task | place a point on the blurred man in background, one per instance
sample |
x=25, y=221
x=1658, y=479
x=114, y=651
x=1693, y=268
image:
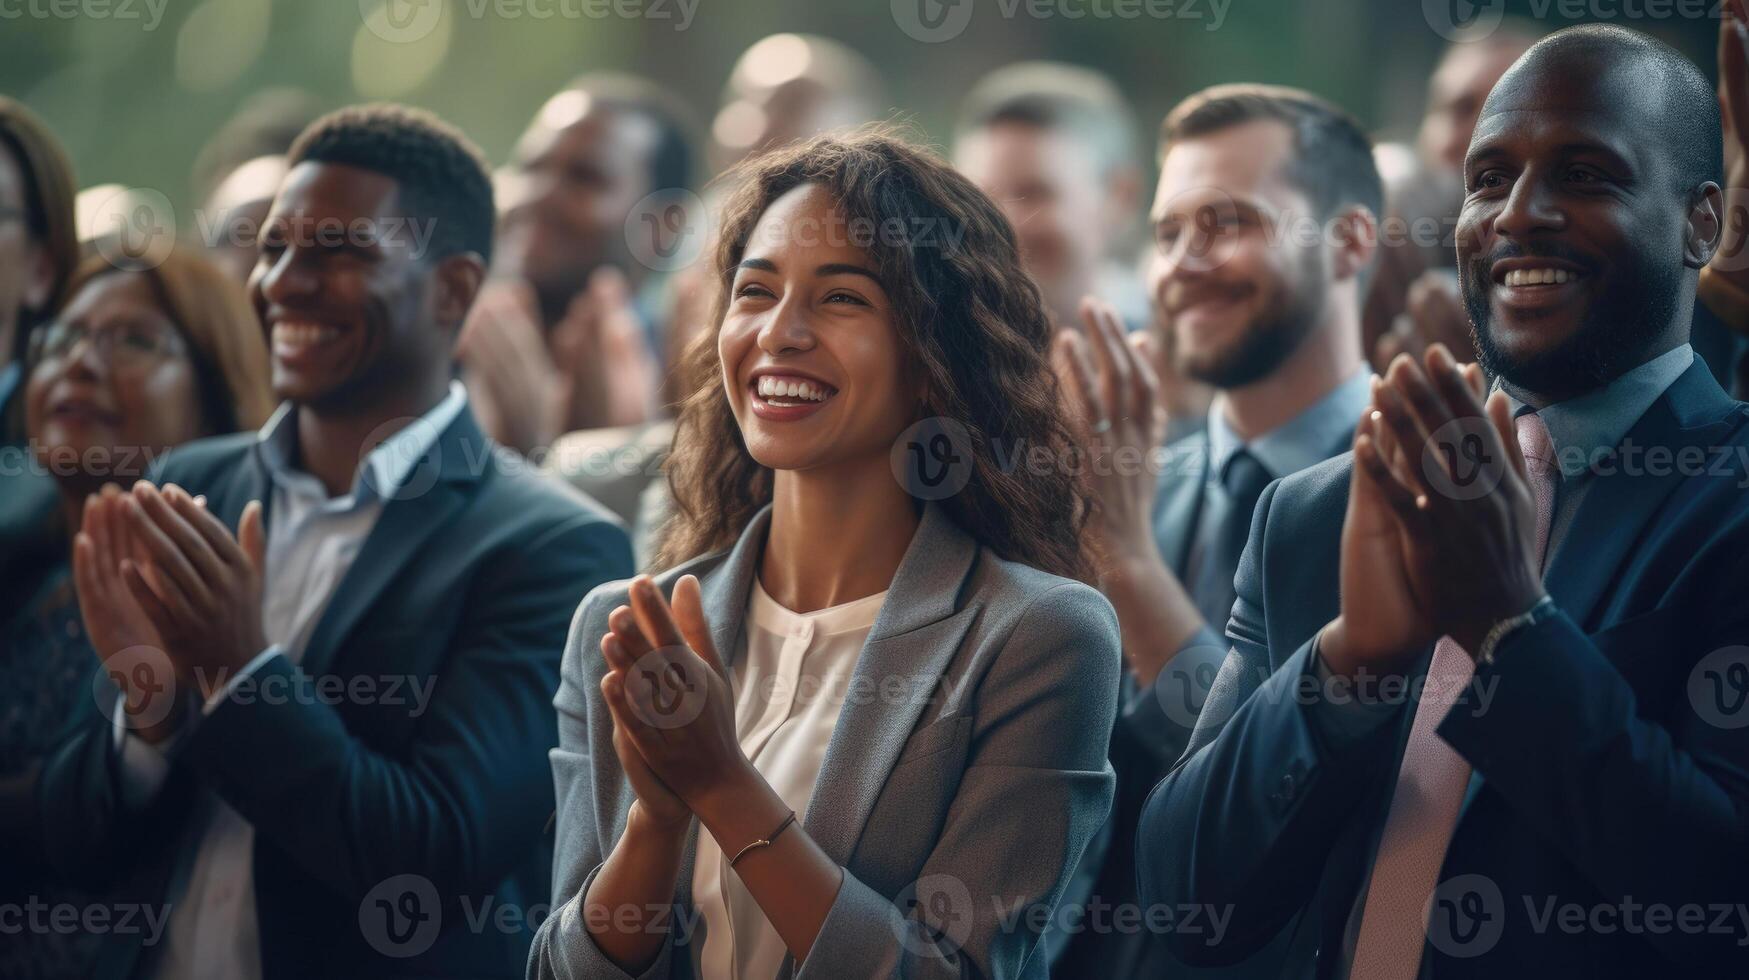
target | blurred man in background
x=1055, y=146
x=788, y=87
x=238, y=171
x=565, y=335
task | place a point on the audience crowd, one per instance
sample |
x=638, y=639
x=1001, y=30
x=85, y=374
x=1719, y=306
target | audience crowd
x=793, y=552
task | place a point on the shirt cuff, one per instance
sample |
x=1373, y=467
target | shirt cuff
x=218, y=697
x=1342, y=714
x=143, y=766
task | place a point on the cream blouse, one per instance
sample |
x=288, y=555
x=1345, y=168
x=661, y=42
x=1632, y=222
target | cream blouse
x=792, y=678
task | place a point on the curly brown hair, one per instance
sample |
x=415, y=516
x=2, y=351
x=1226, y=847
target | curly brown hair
x=968, y=317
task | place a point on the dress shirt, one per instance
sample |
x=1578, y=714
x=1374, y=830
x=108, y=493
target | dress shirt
x=1304, y=440
x=1308, y=438
x=793, y=679
x=312, y=541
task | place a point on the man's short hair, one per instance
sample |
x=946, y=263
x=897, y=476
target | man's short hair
x=673, y=161
x=1060, y=98
x=439, y=172
x=1332, y=156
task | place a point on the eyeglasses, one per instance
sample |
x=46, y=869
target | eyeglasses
x=128, y=345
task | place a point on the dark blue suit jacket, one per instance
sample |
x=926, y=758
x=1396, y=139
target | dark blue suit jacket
x=467, y=583
x=1609, y=779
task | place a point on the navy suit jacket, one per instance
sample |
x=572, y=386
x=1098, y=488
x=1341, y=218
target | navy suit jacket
x=466, y=583
x=1610, y=778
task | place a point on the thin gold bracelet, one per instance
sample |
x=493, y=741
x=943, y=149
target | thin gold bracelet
x=764, y=841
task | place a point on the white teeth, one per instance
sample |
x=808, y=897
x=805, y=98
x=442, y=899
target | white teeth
x=770, y=386
x=297, y=334
x=1538, y=277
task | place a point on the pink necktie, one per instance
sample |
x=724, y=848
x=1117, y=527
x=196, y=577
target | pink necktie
x=1431, y=784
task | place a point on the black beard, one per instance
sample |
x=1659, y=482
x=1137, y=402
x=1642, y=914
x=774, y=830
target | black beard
x=1612, y=337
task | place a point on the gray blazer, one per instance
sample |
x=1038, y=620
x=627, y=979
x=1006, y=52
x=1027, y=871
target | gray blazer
x=966, y=774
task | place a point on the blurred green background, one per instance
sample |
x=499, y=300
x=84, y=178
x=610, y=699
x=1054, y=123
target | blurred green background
x=135, y=87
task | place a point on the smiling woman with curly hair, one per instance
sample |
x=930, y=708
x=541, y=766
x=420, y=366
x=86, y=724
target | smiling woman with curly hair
x=859, y=728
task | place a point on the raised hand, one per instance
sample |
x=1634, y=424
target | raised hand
x=607, y=371
x=200, y=588
x=666, y=811
x=515, y=388
x=671, y=697
x=126, y=642
x=1118, y=418
x=1469, y=518
x=1433, y=314
x=1382, y=624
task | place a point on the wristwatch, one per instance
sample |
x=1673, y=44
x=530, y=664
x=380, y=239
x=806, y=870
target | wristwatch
x=1544, y=608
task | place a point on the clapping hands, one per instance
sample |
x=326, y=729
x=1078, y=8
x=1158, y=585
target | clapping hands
x=673, y=710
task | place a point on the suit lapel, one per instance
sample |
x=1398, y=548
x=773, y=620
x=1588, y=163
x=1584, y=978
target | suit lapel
x=724, y=590
x=433, y=491
x=248, y=482
x=1179, y=504
x=914, y=639
x=1615, y=511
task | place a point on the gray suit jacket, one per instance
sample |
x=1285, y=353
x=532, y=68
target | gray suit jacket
x=958, y=795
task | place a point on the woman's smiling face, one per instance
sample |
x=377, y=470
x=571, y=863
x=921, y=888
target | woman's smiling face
x=812, y=362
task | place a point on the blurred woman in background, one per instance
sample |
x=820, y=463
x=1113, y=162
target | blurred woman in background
x=138, y=361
